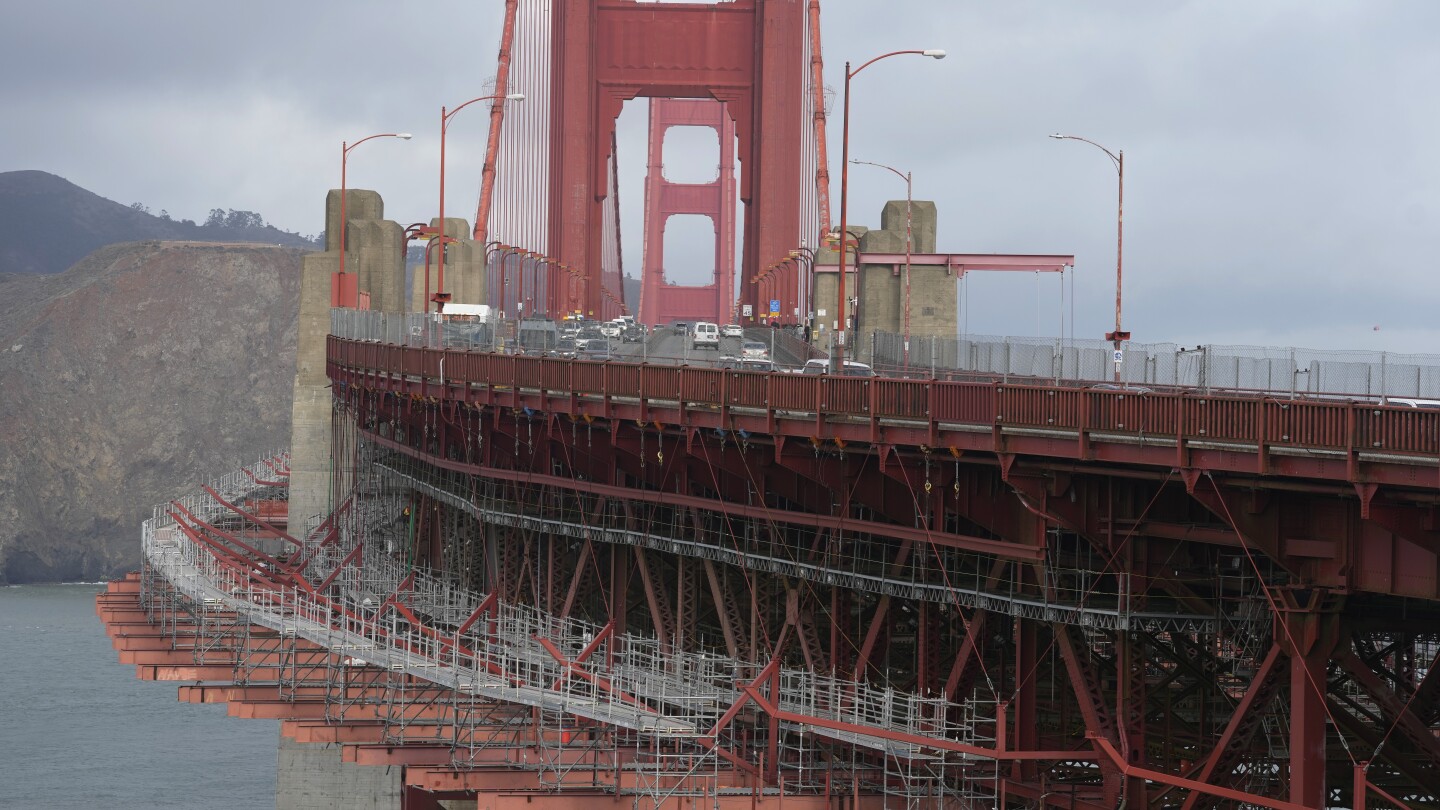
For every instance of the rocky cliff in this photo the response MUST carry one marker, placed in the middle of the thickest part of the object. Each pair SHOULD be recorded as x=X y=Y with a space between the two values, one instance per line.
x=144 y=370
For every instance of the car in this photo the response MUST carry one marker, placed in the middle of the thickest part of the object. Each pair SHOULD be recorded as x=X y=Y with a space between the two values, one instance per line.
x=564 y=348
x=633 y=334
x=1124 y=389
x=611 y=329
x=732 y=330
x=852 y=368
x=754 y=349
x=681 y=327
x=1426 y=404
x=756 y=364
x=706 y=335
x=594 y=351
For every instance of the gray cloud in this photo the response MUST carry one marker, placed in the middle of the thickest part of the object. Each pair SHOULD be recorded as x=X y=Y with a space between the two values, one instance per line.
x=1281 y=178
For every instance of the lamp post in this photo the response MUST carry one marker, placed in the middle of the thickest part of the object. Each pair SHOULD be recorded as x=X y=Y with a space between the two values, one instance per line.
x=445 y=115
x=908 y=244
x=505 y=253
x=1118 y=336
x=933 y=53
x=527 y=255
x=805 y=271
x=344 y=160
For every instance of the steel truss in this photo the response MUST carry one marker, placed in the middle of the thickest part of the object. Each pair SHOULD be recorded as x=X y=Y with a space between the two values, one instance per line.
x=716 y=651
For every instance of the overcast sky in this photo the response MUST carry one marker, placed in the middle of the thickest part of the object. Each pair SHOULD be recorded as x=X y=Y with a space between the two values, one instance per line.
x=1282 y=170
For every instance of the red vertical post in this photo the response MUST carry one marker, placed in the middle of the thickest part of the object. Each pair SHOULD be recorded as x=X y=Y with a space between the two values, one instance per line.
x=1026 y=720
x=1311 y=632
x=661 y=302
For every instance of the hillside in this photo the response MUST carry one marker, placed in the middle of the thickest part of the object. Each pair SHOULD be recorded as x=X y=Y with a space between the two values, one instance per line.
x=127 y=380
x=48 y=223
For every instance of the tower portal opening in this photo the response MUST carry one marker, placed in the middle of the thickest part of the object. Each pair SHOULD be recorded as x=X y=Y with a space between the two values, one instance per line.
x=688 y=254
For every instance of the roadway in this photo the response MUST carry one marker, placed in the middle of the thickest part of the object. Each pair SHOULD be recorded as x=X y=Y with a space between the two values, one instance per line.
x=664 y=345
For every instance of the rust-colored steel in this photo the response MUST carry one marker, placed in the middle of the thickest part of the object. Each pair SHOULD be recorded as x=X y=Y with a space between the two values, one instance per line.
x=748 y=54
x=817 y=89
x=662 y=301
x=497 y=120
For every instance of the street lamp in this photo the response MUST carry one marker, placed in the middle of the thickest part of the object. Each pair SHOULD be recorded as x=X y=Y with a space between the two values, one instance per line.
x=1117 y=337
x=344 y=160
x=529 y=255
x=805 y=258
x=506 y=252
x=933 y=53
x=906 y=178
x=440 y=295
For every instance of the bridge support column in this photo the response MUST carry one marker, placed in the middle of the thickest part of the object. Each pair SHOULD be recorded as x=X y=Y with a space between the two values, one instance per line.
x=1311 y=630
x=310 y=439
x=310 y=776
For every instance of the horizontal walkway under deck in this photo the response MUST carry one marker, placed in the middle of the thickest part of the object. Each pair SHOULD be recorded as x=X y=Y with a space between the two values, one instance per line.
x=953 y=593
x=685 y=696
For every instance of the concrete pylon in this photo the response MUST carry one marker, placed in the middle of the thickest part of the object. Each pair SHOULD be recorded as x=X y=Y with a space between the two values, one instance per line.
x=375 y=252
x=933 y=290
x=379 y=249
x=360 y=204
x=464 y=264
x=923 y=220
x=310 y=407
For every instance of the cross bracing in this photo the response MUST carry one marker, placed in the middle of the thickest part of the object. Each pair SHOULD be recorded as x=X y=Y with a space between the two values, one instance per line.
x=460 y=492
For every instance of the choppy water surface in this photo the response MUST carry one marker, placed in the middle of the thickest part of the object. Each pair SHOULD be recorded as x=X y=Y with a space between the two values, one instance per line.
x=77 y=729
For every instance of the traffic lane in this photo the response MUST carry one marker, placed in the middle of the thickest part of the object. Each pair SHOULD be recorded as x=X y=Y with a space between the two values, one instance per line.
x=664 y=346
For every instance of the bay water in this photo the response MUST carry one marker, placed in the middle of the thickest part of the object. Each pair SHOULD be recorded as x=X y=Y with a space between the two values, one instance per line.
x=77 y=729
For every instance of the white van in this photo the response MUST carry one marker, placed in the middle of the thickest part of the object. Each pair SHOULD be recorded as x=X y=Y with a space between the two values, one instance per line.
x=1428 y=404
x=706 y=334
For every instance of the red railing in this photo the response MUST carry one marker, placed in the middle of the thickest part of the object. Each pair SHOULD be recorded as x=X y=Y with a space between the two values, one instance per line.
x=1257 y=424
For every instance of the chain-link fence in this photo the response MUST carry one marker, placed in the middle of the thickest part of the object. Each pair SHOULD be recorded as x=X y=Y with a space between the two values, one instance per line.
x=1288 y=371
x=540 y=336
x=1282 y=371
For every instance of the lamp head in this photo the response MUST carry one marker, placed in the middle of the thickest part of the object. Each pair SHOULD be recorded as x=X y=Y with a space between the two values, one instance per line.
x=935 y=53
x=404 y=136
x=515 y=97
x=1058 y=136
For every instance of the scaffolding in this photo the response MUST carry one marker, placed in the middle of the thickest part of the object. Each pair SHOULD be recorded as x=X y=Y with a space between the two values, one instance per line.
x=386 y=632
x=862 y=563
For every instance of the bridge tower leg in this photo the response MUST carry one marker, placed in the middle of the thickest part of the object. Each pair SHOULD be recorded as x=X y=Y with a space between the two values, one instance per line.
x=748 y=54
x=661 y=302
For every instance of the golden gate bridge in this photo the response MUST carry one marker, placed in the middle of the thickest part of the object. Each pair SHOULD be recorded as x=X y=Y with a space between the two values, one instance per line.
x=518 y=579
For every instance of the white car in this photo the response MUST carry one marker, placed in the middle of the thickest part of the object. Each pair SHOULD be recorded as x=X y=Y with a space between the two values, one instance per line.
x=706 y=335
x=732 y=330
x=850 y=369
x=754 y=349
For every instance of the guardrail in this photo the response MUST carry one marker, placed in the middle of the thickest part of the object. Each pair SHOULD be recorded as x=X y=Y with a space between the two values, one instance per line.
x=1253 y=424
x=1278 y=371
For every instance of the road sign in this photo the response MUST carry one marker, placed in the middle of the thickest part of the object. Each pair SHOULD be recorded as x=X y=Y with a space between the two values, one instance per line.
x=746 y=310
x=1119 y=356
x=774 y=306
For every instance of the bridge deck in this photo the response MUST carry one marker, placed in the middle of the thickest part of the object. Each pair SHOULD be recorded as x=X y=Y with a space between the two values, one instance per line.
x=1315 y=440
